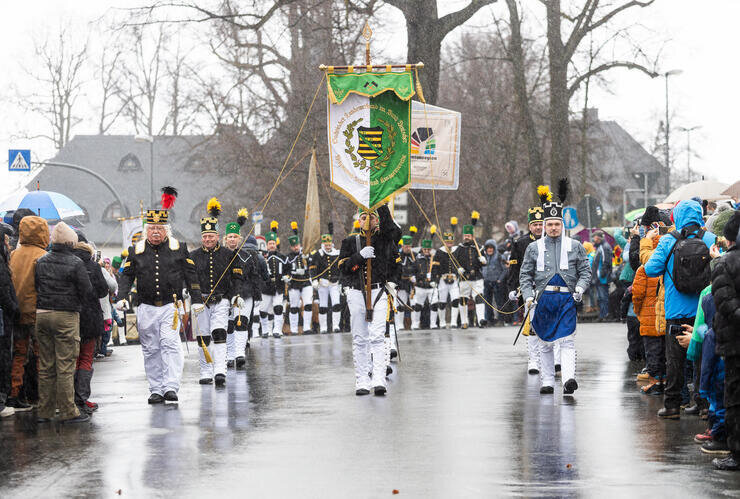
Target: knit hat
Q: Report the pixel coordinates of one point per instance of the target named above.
(63, 234)
(651, 216)
(116, 262)
(719, 221)
(730, 230)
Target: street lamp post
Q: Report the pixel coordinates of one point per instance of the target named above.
(624, 202)
(150, 139)
(644, 176)
(688, 147)
(673, 72)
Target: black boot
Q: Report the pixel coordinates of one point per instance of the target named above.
(380, 390)
(156, 398)
(388, 370)
(362, 391)
(240, 363)
(170, 396)
(230, 364)
(205, 381)
(547, 390)
(570, 386)
(220, 379)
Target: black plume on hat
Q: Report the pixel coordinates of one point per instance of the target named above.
(563, 190)
(651, 216)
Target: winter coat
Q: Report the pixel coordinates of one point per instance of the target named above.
(644, 299)
(91, 315)
(61, 280)
(494, 269)
(105, 303)
(677, 305)
(634, 252)
(647, 247)
(601, 267)
(8, 301)
(33, 239)
(726, 293)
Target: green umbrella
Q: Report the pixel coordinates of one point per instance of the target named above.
(632, 215)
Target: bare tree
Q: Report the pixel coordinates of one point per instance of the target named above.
(107, 73)
(426, 30)
(59, 80)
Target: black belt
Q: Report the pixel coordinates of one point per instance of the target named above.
(157, 303)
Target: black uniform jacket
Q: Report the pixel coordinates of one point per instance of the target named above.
(423, 269)
(276, 269)
(219, 273)
(323, 265)
(467, 256)
(160, 271)
(386, 264)
(409, 269)
(515, 259)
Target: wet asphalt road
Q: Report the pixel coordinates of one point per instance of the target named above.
(462, 419)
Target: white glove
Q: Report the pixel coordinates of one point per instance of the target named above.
(122, 305)
(238, 301)
(286, 278)
(367, 252)
(433, 284)
(482, 259)
(391, 288)
(315, 284)
(197, 308)
(512, 295)
(300, 271)
(429, 276)
(413, 280)
(528, 303)
(392, 285)
(460, 270)
(578, 295)
(185, 294)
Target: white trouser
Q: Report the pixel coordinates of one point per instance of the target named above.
(402, 300)
(368, 338)
(421, 296)
(160, 344)
(533, 352)
(567, 346)
(256, 307)
(444, 290)
(272, 305)
(295, 296)
(239, 337)
(213, 317)
(326, 291)
(472, 290)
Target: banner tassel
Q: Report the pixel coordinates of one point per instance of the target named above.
(418, 86)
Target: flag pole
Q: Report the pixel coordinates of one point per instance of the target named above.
(367, 33)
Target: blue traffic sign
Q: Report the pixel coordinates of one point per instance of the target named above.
(19, 160)
(257, 217)
(570, 217)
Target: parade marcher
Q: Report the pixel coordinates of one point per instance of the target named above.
(163, 270)
(263, 275)
(299, 287)
(470, 261)
(237, 334)
(324, 272)
(220, 279)
(368, 333)
(445, 273)
(273, 289)
(409, 269)
(554, 275)
(425, 288)
(535, 218)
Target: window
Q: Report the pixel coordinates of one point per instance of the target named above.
(129, 163)
(112, 213)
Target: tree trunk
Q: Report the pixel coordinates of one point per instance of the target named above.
(424, 44)
(559, 96)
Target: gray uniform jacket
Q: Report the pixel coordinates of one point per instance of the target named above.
(578, 272)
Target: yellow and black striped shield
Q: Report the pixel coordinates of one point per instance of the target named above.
(370, 143)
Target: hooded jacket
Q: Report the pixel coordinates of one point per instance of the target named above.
(686, 214)
(33, 239)
(644, 298)
(91, 314)
(494, 269)
(726, 293)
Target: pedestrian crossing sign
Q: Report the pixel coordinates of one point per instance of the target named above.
(19, 160)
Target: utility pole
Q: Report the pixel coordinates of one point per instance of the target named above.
(688, 148)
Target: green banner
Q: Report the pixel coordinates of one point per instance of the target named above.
(390, 170)
(370, 85)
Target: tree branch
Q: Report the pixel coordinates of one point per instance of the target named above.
(454, 19)
(606, 67)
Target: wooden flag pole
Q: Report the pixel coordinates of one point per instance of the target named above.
(367, 33)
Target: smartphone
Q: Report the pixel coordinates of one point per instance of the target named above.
(675, 330)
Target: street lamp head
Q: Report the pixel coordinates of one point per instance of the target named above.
(673, 72)
(144, 138)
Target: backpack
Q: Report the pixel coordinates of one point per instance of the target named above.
(691, 271)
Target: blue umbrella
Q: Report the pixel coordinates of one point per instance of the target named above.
(46, 204)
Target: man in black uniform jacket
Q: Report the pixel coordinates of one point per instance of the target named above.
(163, 271)
(220, 283)
(274, 287)
(368, 337)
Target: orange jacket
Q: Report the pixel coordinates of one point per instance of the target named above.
(647, 247)
(644, 299)
(33, 239)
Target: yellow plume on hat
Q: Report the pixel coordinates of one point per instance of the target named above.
(543, 191)
(433, 229)
(453, 220)
(214, 207)
(294, 225)
(413, 229)
(475, 215)
(124, 253)
(273, 225)
(356, 224)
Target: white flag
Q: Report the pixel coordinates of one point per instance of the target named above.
(435, 147)
(132, 231)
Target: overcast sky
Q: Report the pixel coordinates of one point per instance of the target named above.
(700, 39)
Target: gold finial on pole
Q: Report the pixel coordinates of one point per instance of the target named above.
(367, 33)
